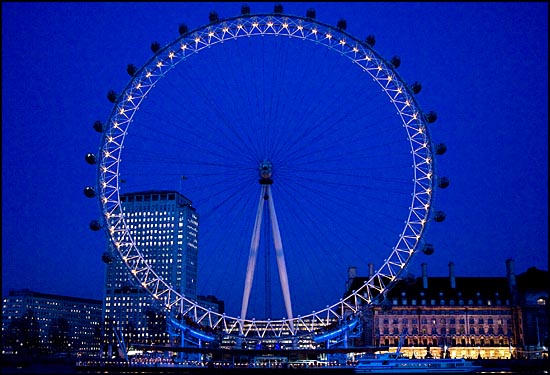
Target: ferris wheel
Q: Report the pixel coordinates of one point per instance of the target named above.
(302, 149)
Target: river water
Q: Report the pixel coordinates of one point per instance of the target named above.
(68, 369)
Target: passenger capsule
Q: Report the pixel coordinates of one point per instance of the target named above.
(278, 8)
(428, 249)
(112, 96)
(416, 87)
(395, 61)
(95, 225)
(443, 182)
(431, 116)
(107, 258)
(155, 47)
(342, 24)
(98, 126)
(439, 216)
(245, 9)
(131, 69)
(440, 149)
(213, 17)
(370, 40)
(183, 29)
(310, 13)
(90, 158)
(89, 191)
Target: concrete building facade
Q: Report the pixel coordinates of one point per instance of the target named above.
(35, 324)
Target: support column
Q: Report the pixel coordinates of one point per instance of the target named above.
(254, 243)
(283, 276)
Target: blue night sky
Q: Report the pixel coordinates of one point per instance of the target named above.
(483, 68)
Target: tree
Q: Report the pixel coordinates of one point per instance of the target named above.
(23, 334)
(59, 335)
(156, 324)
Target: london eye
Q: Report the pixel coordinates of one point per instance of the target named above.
(302, 149)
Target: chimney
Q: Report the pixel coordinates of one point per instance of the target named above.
(510, 272)
(452, 275)
(511, 277)
(352, 274)
(371, 270)
(424, 276)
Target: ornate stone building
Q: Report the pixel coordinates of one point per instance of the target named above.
(470, 317)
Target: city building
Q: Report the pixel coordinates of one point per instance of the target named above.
(532, 297)
(37, 324)
(164, 226)
(470, 317)
(212, 303)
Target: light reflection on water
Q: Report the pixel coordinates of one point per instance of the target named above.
(68, 369)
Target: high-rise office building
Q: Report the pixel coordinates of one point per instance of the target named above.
(164, 226)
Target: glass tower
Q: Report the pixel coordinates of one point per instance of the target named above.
(164, 226)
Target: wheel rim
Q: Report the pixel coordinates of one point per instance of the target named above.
(380, 72)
